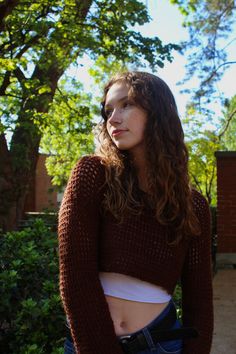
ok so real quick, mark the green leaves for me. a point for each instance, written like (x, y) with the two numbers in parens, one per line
(67, 134)
(202, 142)
(186, 7)
(32, 319)
(228, 131)
(210, 26)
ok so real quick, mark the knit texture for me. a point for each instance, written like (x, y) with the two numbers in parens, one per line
(91, 241)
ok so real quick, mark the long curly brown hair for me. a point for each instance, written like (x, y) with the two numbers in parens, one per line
(169, 190)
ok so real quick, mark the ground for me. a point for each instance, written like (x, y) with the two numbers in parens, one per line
(224, 338)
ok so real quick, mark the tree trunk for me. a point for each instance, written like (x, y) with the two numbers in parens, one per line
(25, 144)
(7, 205)
(18, 165)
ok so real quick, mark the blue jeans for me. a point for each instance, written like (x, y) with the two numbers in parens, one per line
(168, 347)
(69, 347)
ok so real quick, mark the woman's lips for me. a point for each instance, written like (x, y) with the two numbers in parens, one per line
(118, 132)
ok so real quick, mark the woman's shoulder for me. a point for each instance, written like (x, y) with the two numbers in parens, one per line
(200, 203)
(90, 160)
(87, 177)
(198, 197)
(90, 164)
(89, 170)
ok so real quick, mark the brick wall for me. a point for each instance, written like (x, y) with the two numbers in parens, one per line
(45, 196)
(41, 194)
(226, 201)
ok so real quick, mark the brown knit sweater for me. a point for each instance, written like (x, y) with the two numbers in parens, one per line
(90, 242)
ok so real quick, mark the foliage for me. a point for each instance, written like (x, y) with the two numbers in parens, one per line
(68, 134)
(177, 297)
(32, 319)
(202, 164)
(228, 133)
(210, 26)
(202, 143)
(211, 38)
(104, 68)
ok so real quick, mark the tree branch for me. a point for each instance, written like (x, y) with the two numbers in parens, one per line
(6, 7)
(228, 44)
(5, 83)
(65, 100)
(11, 95)
(215, 71)
(227, 124)
(19, 75)
(208, 190)
(196, 182)
(27, 45)
(32, 40)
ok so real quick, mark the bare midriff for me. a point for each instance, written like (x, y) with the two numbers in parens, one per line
(131, 316)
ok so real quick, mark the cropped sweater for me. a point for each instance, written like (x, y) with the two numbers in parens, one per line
(91, 241)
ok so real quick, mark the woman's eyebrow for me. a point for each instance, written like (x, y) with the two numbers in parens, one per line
(109, 104)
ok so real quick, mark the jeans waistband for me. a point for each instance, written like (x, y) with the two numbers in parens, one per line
(165, 327)
(156, 320)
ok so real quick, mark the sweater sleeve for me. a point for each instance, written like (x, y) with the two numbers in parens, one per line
(197, 283)
(81, 292)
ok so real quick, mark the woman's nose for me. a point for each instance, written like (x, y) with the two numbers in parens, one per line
(115, 117)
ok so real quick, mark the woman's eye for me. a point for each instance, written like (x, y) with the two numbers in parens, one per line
(127, 104)
(108, 113)
(124, 105)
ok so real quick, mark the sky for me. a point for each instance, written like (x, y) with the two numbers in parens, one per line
(166, 24)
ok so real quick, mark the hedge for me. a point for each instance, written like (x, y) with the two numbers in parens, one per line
(32, 318)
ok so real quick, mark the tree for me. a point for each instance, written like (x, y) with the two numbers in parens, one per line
(210, 25)
(202, 143)
(227, 135)
(39, 41)
(211, 37)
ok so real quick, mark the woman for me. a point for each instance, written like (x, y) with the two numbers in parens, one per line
(131, 227)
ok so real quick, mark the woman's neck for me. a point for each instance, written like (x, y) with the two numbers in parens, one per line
(139, 159)
(140, 164)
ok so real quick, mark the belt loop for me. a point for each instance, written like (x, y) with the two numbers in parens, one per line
(124, 342)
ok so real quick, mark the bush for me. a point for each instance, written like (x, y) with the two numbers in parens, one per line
(32, 318)
(177, 297)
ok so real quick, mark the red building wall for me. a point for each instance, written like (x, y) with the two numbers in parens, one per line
(226, 201)
(41, 194)
(45, 195)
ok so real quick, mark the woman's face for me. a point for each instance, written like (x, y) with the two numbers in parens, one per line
(125, 120)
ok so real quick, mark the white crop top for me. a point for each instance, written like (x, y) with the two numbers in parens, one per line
(130, 288)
